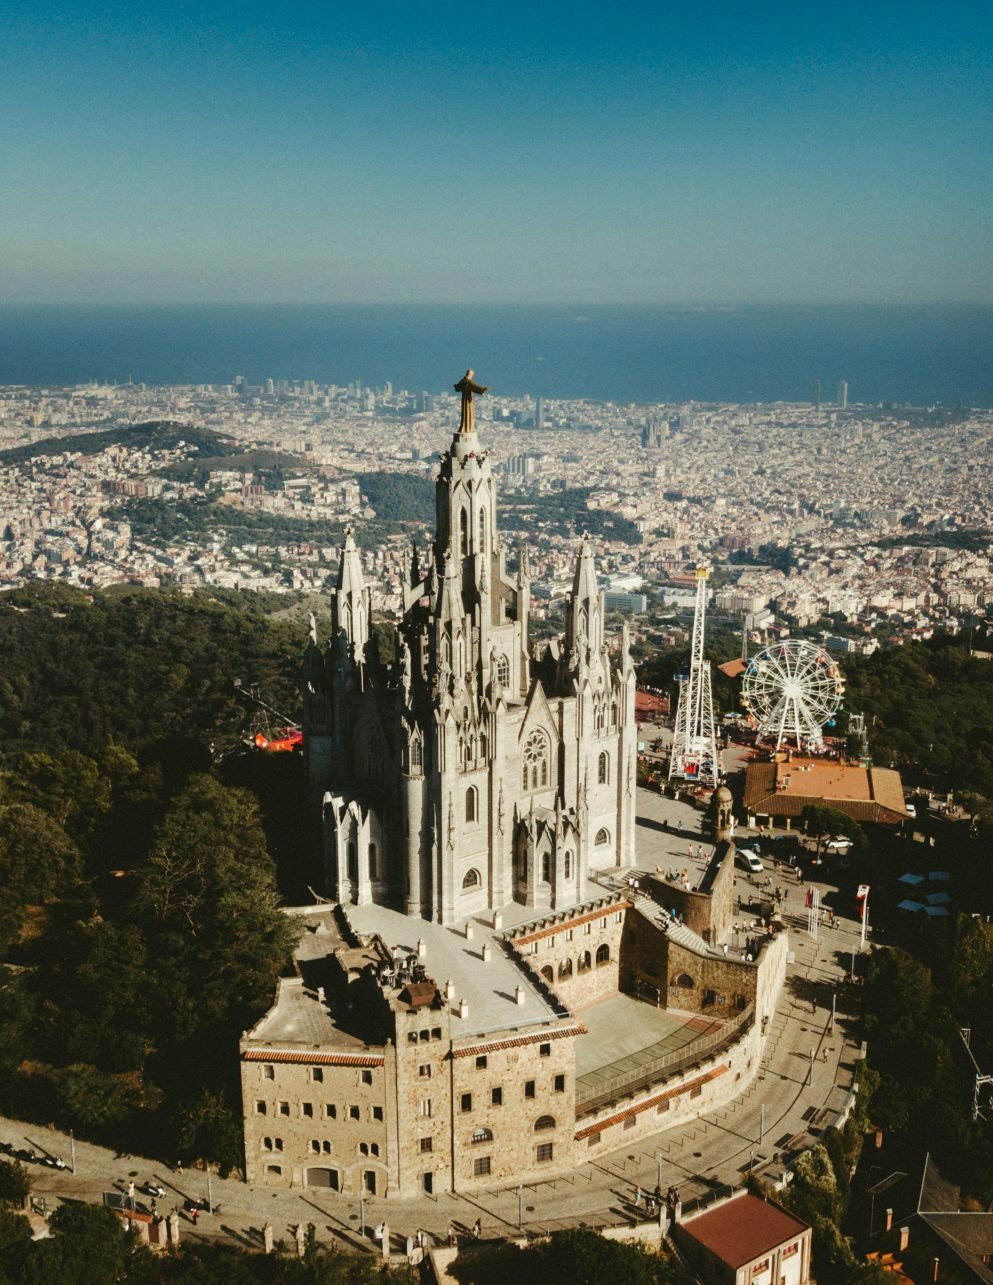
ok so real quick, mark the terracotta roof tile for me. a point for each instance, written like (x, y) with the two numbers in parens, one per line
(653, 1101)
(743, 1229)
(518, 1041)
(315, 1057)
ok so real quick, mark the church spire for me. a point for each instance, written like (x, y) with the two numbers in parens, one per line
(351, 601)
(584, 621)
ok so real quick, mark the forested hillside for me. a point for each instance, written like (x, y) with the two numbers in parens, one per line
(140, 928)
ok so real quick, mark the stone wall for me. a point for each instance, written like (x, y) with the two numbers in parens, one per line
(577, 952)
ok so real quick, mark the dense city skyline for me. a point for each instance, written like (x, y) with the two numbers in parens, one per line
(580, 155)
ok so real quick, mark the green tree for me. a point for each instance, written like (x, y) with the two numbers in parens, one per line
(88, 1246)
(579, 1257)
(15, 1183)
(38, 862)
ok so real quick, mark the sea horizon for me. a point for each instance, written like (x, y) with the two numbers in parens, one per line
(915, 354)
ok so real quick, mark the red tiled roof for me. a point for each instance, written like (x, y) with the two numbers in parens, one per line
(785, 789)
(517, 1041)
(315, 1057)
(649, 1102)
(743, 1229)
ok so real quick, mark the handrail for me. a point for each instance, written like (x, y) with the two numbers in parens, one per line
(664, 1067)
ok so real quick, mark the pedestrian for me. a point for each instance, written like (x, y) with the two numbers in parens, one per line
(637, 1197)
(194, 1215)
(451, 1235)
(824, 1055)
(477, 1229)
(813, 1005)
(679, 825)
(725, 949)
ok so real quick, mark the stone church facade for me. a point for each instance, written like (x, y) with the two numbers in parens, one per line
(477, 770)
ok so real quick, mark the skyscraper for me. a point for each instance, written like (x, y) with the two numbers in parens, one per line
(843, 394)
(815, 394)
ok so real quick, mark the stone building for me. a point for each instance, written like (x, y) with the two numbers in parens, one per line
(478, 770)
(481, 1055)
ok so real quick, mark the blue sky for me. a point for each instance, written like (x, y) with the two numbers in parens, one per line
(535, 152)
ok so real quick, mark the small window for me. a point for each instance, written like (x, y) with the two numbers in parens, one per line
(503, 671)
(567, 874)
(630, 1122)
(529, 1088)
(425, 1108)
(315, 1146)
(373, 862)
(424, 1036)
(603, 769)
(544, 1151)
(481, 1062)
(481, 1166)
(268, 1072)
(427, 1144)
(496, 1097)
(544, 1122)
(560, 1084)
(307, 1110)
(470, 807)
(436, 1032)
(481, 1135)
(545, 1050)
(603, 954)
(374, 1148)
(266, 1144)
(366, 1077)
(424, 1070)
(411, 1037)
(465, 1102)
(275, 1170)
(278, 1143)
(260, 1107)
(565, 970)
(585, 961)
(354, 1113)
(363, 1148)
(330, 1111)
(602, 837)
(471, 880)
(284, 1108)
(317, 1074)
(326, 1147)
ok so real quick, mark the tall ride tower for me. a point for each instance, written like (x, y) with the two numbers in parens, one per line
(694, 745)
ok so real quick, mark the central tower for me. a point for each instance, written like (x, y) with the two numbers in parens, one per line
(473, 772)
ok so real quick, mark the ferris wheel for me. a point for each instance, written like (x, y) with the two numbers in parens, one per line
(794, 689)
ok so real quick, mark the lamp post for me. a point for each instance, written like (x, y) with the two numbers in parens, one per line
(658, 1157)
(210, 1194)
(810, 1069)
(761, 1124)
(72, 1150)
(362, 1212)
(520, 1207)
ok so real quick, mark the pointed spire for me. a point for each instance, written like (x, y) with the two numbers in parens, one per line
(350, 577)
(584, 585)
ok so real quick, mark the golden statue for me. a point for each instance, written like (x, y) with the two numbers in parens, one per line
(466, 387)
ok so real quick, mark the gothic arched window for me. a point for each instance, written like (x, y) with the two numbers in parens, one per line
(535, 770)
(482, 531)
(416, 753)
(546, 868)
(567, 866)
(470, 804)
(373, 862)
(603, 768)
(503, 671)
(544, 1122)
(471, 879)
(464, 532)
(601, 837)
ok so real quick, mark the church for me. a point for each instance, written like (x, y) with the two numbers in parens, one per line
(478, 769)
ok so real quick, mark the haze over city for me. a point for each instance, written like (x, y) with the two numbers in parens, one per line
(560, 153)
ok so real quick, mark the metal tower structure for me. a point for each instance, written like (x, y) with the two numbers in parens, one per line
(694, 743)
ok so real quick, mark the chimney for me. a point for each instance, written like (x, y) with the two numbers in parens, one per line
(486, 952)
(518, 995)
(421, 948)
(463, 1007)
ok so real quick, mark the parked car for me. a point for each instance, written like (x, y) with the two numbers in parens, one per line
(154, 1189)
(910, 810)
(838, 843)
(750, 859)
